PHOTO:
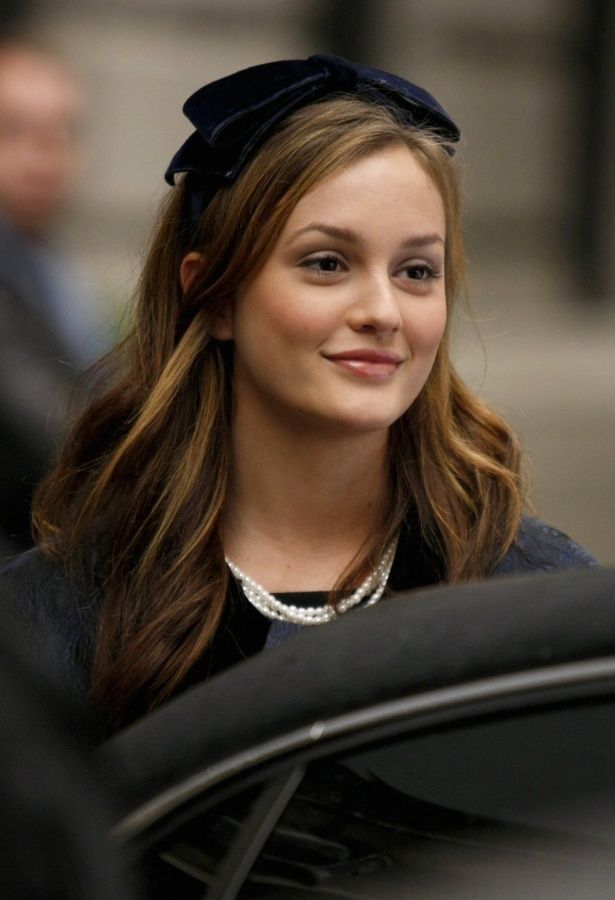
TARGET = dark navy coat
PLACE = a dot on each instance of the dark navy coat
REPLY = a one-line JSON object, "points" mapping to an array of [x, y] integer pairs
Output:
{"points": [[59, 617]]}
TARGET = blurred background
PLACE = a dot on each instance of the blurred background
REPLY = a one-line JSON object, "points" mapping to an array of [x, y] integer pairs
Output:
{"points": [[532, 84]]}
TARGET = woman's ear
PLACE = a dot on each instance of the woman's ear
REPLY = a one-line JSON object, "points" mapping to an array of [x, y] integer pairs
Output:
{"points": [[221, 326], [188, 269]]}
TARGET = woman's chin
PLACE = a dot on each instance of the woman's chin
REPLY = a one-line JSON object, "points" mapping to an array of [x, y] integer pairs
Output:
{"points": [[355, 422]]}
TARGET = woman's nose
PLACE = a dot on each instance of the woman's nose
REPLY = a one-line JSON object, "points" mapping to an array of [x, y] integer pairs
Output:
{"points": [[376, 306]]}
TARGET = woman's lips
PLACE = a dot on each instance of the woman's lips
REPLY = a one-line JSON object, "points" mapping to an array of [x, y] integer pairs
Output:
{"points": [[366, 363]]}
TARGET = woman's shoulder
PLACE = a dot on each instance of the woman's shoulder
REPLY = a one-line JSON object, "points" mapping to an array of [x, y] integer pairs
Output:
{"points": [[34, 581], [539, 547], [56, 614]]}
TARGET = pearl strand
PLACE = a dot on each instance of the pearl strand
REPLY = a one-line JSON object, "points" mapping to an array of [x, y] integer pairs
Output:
{"points": [[273, 608]]}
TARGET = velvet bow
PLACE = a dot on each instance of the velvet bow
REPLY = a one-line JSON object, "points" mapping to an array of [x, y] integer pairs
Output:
{"points": [[233, 115]]}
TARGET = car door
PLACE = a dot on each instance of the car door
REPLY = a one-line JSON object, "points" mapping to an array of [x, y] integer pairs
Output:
{"points": [[454, 742]]}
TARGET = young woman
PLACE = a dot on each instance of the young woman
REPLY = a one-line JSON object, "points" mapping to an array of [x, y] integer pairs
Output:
{"points": [[281, 438]]}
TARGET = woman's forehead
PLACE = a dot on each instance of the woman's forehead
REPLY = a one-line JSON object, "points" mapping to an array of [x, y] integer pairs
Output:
{"points": [[388, 181]]}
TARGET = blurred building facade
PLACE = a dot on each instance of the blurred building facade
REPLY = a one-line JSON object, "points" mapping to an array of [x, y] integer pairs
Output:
{"points": [[518, 77]]}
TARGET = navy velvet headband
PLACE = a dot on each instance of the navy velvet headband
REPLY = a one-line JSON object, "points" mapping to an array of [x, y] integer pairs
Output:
{"points": [[234, 115]]}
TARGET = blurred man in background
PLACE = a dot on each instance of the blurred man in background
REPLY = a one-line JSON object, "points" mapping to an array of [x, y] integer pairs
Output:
{"points": [[49, 329]]}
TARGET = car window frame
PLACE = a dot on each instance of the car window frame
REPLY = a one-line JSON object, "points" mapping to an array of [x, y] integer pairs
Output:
{"points": [[413, 713]]}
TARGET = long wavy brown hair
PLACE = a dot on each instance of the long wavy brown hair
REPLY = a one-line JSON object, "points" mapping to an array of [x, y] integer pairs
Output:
{"points": [[144, 473]]}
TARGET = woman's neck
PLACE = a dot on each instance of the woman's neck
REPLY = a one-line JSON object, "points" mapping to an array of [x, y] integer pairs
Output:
{"points": [[301, 505]]}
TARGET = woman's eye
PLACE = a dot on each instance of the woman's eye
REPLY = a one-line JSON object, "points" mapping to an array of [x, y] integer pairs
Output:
{"points": [[323, 264], [420, 272]]}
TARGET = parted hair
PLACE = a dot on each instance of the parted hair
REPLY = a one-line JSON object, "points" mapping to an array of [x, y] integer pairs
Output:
{"points": [[144, 472]]}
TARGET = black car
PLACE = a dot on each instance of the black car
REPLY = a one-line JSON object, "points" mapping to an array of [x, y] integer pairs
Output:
{"points": [[451, 742]]}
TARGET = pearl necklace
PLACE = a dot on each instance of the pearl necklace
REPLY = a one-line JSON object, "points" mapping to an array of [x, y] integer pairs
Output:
{"points": [[273, 608]]}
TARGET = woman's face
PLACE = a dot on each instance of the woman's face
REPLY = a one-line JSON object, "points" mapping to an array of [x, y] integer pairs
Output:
{"points": [[340, 328]]}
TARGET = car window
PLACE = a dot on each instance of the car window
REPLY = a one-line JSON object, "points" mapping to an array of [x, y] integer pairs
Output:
{"points": [[552, 768]]}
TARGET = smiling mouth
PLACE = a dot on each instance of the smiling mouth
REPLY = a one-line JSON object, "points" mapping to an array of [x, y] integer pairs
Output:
{"points": [[367, 364]]}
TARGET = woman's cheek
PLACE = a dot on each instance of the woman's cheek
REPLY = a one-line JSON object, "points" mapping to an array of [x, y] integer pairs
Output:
{"points": [[427, 329]]}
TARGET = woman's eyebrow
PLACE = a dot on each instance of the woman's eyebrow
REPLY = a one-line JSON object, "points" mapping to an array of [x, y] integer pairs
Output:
{"points": [[333, 231], [353, 237], [423, 240]]}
